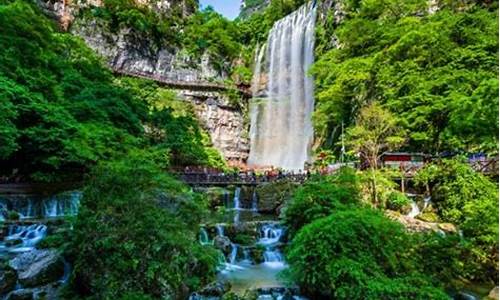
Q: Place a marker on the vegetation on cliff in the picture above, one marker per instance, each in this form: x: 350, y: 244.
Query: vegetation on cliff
x: 62, y: 110
x: 437, y: 72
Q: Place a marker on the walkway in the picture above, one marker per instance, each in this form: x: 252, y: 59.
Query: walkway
x: 190, y: 85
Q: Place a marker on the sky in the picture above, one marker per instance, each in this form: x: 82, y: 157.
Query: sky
x: 229, y: 8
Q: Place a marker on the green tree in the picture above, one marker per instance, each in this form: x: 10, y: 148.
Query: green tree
x: 375, y: 132
x: 137, y: 228
x: 357, y: 254
x: 320, y: 196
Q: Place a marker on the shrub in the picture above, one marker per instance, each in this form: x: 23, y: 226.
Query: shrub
x: 320, y: 196
x: 470, y: 200
x: 397, y: 201
x: 357, y: 254
x: 137, y: 229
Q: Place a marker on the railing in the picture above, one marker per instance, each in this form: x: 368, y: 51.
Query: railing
x: 237, y: 179
x: 182, y: 84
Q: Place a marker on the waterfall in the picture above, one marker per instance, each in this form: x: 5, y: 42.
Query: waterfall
x: 415, y: 211
x: 225, y: 198
x: 29, y: 236
x: 254, y: 201
x: 204, y: 239
x: 281, y: 130
x: 220, y: 229
x: 236, y: 199
x: 234, y: 253
x: 237, y: 206
x: 270, y: 234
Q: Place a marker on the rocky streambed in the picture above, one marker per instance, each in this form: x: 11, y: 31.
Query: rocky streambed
x: 28, y: 268
x: 251, y: 240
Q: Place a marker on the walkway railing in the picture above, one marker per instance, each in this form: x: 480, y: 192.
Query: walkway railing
x: 195, y: 85
x: 237, y: 179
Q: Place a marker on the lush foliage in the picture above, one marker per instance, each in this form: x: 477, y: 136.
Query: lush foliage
x: 320, y: 196
x: 358, y: 254
x: 470, y: 200
x: 172, y: 125
x: 62, y: 112
x: 136, y: 232
x: 438, y: 72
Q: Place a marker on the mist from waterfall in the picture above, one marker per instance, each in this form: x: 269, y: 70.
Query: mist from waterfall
x: 281, y: 130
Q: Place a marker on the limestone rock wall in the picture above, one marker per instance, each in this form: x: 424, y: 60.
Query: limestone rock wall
x: 224, y: 122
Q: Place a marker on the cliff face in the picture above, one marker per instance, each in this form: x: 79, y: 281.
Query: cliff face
x: 133, y: 52
x: 130, y: 51
x: 225, y: 123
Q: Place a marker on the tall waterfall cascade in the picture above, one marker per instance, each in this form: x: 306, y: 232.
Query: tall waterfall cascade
x: 281, y: 131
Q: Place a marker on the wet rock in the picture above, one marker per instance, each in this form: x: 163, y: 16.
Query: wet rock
x: 416, y: 225
x: 8, y: 279
x: 273, y: 195
x: 21, y: 294
x: 428, y: 217
x: 215, y: 289
x: 13, y: 242
x: 447, y: 227
x: 493, y: 295
x: 38, y: 267
x: 223, y: 243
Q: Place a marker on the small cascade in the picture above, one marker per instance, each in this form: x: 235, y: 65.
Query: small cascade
x: 427, y: 201
x: 27, y: 211
x: 61, y: 205
x: 220, y: 229
x: 225, y: 198
x: 35, y: 206
x: 237, y: 206
x: 234, y: 254
x: 204, y: 239
x: 415, y: 211
x: 237, y: 192
x: 24, y: 238
x: 273, y: 256
x: 270, y: 234
x: 255, y: 201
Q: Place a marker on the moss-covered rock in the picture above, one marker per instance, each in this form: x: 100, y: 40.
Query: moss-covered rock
x: 8, y: 279
x: 431, y: 217
x: 272, y: 196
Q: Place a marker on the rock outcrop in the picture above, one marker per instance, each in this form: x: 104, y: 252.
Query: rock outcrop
x: 38, y: 267
x: 224, y: 122
x: 416, y: 225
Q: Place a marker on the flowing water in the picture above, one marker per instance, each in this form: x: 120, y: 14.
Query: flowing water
x: 281, y: 130
x: 35, y: 206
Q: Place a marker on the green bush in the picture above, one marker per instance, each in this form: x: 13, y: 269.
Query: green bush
x: 397, y: 201
x: 137, y: 229
x: 470, y: 200
x: 13, y: 215
x: 320, y: 196
x: 357, y: 254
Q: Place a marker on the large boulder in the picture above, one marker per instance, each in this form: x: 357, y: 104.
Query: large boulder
x: 8, y: 279
x: 416, y: 225
x: 215, y: 289
x: 223, y: 243
x: 38, y: 267
x: 272, y: 196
